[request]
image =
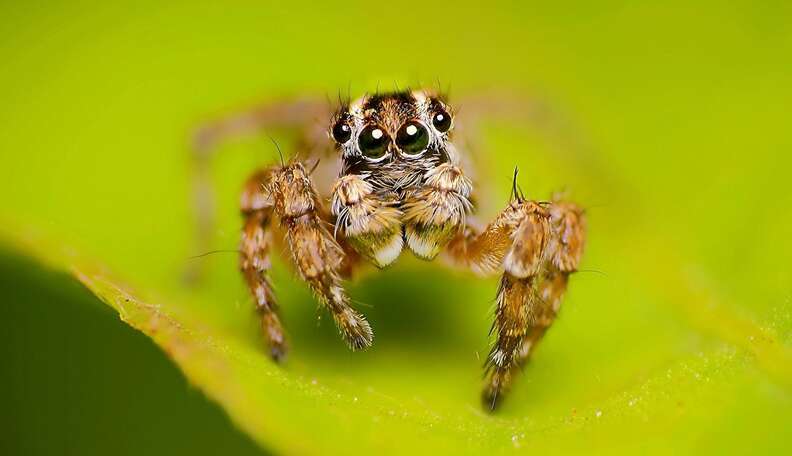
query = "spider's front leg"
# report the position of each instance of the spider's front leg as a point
(287, 192)
(538, 246)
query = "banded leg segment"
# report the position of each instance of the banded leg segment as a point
(319, 260)
(538, 246)
(255, 263)
(288, 193)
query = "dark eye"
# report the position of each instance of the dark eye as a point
(373, 141)
(341, 132)
(412, 137)
(442, 121)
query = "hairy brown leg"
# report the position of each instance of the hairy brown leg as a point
(255, 263)
(287, 192)
(300, 114)
(538, 247)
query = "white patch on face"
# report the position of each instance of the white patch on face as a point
(390, 251)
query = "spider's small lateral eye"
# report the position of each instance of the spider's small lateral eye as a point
(341, 132)
(442, 121)
(412, 137)
(373, 141)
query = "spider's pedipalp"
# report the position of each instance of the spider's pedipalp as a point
(371, 223)
(434, 213)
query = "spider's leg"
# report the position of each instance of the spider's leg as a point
(518, 304)
(300, 115)
(319, 259)
(564, 249)
(538, 247)
(550, 290)
(254, 258)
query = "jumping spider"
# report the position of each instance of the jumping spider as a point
(399, 186)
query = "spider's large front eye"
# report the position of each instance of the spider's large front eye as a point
(341, 132)
(412, 137)
(442, 121)
(373, 141)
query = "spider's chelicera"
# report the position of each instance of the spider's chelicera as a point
(400, 186)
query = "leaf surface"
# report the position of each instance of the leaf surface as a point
(675, 336)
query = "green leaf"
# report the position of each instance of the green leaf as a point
(676, 336)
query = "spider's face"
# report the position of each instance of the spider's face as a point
(394, 138)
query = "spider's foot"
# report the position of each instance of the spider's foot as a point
(355, 330)
(275, 338)
(491, 399)
(278, 351)
(495, 390)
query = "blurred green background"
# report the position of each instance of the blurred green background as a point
(668, 120)
(75, 381)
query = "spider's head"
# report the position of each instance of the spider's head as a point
(394, 138)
